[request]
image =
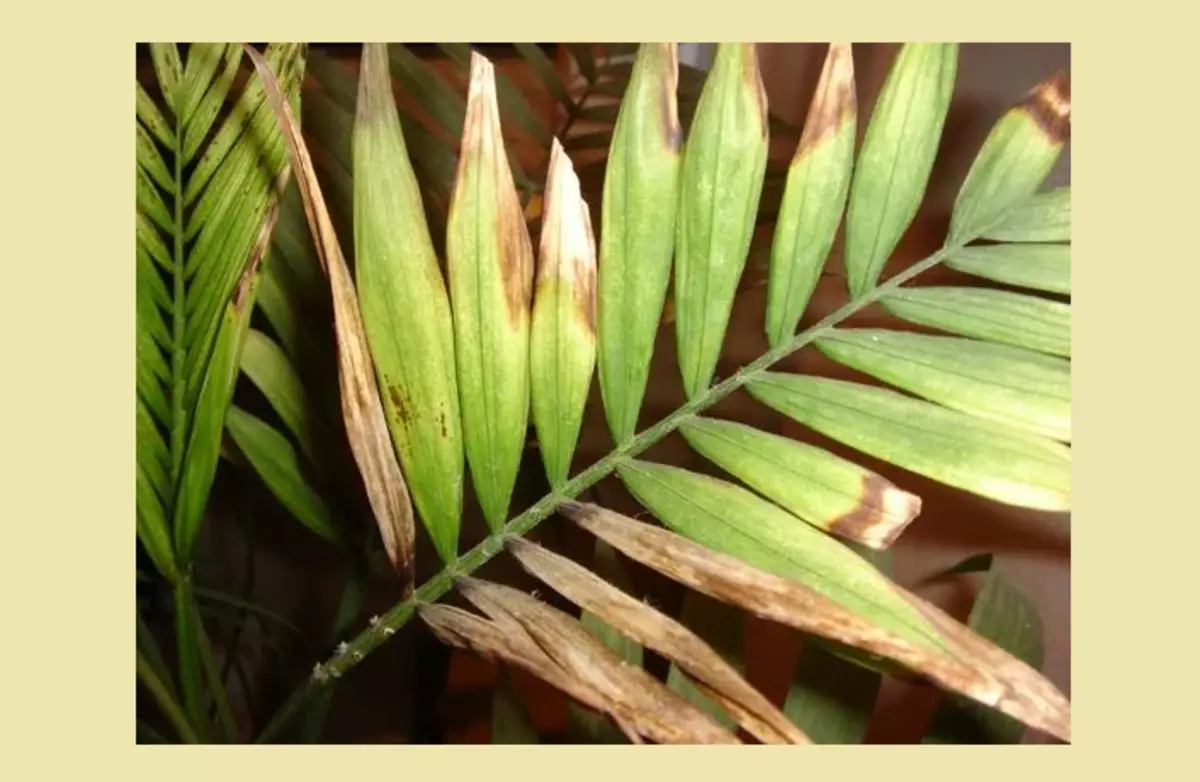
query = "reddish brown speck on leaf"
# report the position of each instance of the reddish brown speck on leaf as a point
(442, 422)
(1049, 105)
(398, 402)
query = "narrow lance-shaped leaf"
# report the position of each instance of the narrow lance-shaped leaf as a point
(724, 162)
(1014, 160)
(216, 393)
(997, 316)
(277, 464)
(829, 492)
(960, 450)
(814, 198)
(637, 236)
(362, 410)
(897, 157)
(634, 698)
(656, 631)
(490, 267)
(1043, 267)
(168, 67)
(562, 336)
(1045, 217)
(213, 295)
(405, 308)
(733, 520)
(166, 700)
(268, 367)
(1012, 386)
(968, 664)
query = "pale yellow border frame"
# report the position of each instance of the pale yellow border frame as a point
(68, 323)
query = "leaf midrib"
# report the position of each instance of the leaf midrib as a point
(179, 322)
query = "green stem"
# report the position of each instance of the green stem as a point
(371, 638)
(162, 695)
(188, 640)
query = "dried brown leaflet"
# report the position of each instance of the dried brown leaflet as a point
(635, 700)
(664, 635)
(362, 410)
(975, 667)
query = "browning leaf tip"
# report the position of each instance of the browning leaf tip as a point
(883, 512)
(1049, 105)
(834, 102)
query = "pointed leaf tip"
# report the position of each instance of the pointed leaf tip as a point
(1049, 104)
(562, 334)
(406, 308)
(637, 234)
(835, 102)
(896, 159)
(362, 409)
(814, 197)
(490, 263)
(568, 244)
(1016, 157)
(724, 163)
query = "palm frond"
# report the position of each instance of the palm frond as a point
(203, 220)
(985, 410)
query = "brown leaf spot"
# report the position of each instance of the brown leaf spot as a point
(398, 402)
(883, 512)
(1049, 105)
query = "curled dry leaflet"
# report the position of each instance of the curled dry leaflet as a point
(421, 270)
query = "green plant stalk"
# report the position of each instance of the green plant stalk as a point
(399, 615)
(162, 696)
(186, 638)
